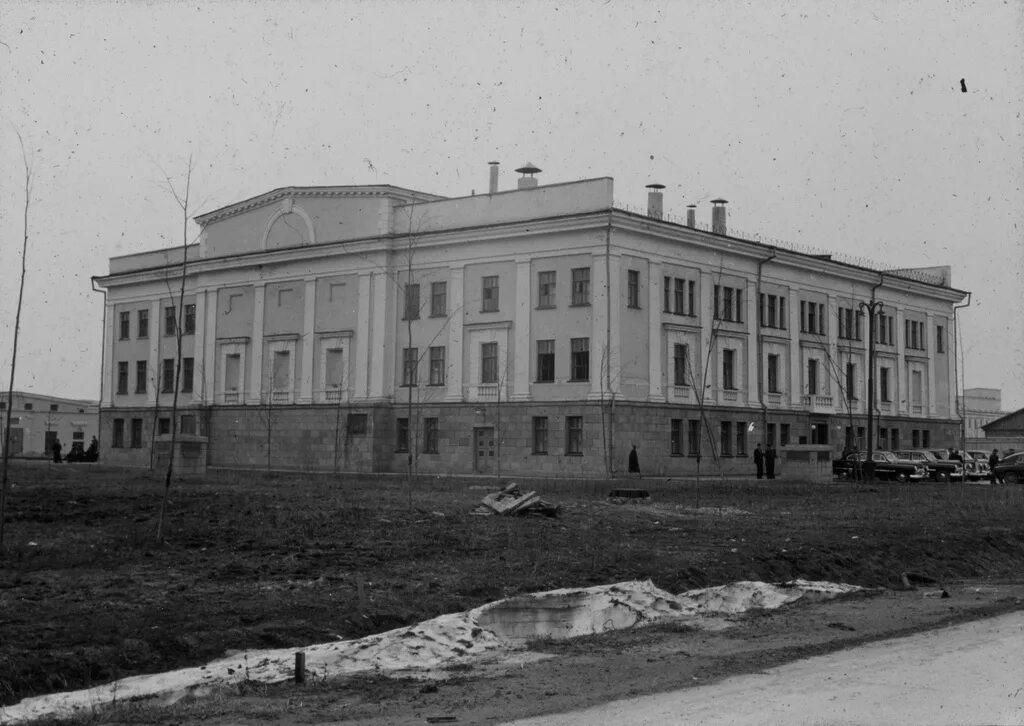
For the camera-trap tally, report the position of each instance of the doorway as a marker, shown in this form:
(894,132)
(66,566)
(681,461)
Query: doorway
(483,450)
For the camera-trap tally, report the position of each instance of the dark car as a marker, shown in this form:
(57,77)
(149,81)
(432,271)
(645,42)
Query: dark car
(938,469)
(887,466)
(1011,469)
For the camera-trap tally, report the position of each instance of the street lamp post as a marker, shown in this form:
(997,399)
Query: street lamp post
(872,309)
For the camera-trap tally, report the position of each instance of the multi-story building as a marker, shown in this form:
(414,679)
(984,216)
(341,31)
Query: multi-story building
(980,406)
(37,420)
(541,330)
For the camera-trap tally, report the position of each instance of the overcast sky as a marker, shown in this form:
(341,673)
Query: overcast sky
(837,126)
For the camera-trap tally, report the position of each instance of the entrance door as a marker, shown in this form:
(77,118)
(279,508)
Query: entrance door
(51,436)
(483,450)
(17,440)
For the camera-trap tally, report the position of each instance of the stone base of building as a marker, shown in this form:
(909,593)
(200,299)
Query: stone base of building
(583,439)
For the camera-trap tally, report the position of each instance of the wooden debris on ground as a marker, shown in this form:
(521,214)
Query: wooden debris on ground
(511,502)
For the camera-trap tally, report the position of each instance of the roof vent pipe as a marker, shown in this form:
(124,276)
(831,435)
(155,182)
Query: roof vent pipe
(655,204)
(527,180)
(494,177)
(691,216)
(718,216)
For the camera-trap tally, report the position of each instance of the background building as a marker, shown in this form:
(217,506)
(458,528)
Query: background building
(980,406)
(540,330)
(36,420)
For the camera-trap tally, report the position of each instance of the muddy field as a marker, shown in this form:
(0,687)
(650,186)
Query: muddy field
(88,595)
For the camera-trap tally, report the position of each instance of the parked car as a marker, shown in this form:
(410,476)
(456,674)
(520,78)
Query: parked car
(887,466)
(938,469)
(1011,469)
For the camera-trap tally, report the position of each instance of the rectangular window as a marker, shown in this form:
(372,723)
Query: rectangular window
(679,297)
(926,439)
(812,377)
(488,362)
(410,359)
(728,303)
(883,438)
(140,376)
(916,388)
(784,434)
(894,436)
(580,362)
(402,434)
(773,373)
(280,372)
(741,438)
(693,437)
(143,323)
(122,377)
(355,424)
(546,289)
(691,294)
(54,407)
(679,356)
(727,311)
(632,288)
(728,369)
(667,292)
(803,316)
(540,434)
(676,440)
(437,365)
(438,299)
(187,371)
(770,435)
(574,435)
(430,436)
(883,384)
(190,319)
(581,286)
(163,426)
(490,294)
(851,382)
(232,372)
(726,438)
(118,437)
(334,369)
(545,361)
(412,302)
(136,441)
(187,424)
(170,323)
(125,325)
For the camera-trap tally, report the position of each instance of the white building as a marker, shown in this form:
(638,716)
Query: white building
(37,420)
(545,328)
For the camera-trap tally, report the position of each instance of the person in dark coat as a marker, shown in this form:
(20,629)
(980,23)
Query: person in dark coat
(93,452)
(56,451)
(759,461)
(769,460)
(634,462)
(993,459)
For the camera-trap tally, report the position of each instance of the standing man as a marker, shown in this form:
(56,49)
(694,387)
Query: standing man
(634,463)
(56,451)
(759,461)
(993,459)
(770,461)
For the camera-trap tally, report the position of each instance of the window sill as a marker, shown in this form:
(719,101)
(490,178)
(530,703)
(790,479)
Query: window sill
(545,381)
(545,307)
(634,307)
(434,385)
(540,453)
(436,315)
(679,456)
(579,305)
(579,380)
(572,453)
(490,311)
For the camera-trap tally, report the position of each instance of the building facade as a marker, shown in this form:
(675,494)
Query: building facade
(540,330)
(37,420)
(980,406)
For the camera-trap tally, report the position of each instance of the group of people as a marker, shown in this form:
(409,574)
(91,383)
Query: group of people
(77,452)
(764,461)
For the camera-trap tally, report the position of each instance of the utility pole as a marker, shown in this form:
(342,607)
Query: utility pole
(872,308)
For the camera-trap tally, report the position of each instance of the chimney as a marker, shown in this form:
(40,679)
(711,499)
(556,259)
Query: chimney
(718,216)
(691,216)
(654,200)
(494,177)
(527,182)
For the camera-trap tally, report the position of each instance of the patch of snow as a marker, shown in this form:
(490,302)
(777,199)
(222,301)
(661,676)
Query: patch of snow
(494,631)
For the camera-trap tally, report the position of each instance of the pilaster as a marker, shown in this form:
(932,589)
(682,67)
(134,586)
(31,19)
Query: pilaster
(254,389)
(378,335)
(753,348)
(308,338)
(655,349)
(108,385)
(199,348)
(361,354)
(902,393)
(930,343)
(156,332)
(209,376)
(521,333)
(455,352)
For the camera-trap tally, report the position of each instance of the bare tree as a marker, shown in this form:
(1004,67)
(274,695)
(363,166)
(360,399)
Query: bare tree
(4,484)
(183,202)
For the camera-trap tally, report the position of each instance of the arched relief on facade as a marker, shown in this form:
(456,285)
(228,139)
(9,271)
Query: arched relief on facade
(289,226)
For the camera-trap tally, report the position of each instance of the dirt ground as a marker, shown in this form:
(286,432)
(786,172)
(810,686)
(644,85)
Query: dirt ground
(261,560)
